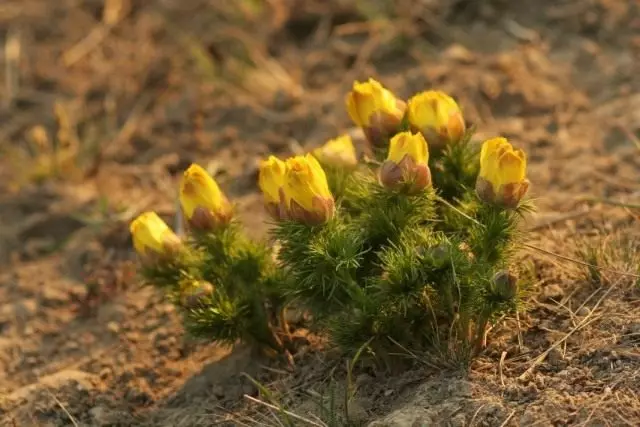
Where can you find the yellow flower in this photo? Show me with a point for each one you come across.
(306, 191)
(407, 164)
(205, 207)
(271, 182)
(152, 237)
(376, 110)
(337, 152)
(503, 169)
(437, 116)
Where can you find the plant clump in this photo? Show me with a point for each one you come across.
(410, 248)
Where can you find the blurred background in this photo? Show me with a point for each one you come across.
(105, 102)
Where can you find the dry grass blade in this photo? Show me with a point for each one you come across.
(114, 11)
(12, 53)
(577, 261)
(560, 218)
(501, 367)
(611, 202)
(506, 421)
(588, 319)
(291, 414)
(64, 409)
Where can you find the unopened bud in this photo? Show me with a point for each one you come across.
(407, 165)
(195, 295)
(440, 255)
(204, 205)
(376, 110)
(506, 284)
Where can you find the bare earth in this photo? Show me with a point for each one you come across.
(165, 83)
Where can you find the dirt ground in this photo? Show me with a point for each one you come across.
(125, 100)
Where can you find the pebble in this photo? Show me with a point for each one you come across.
(552, 291)
(105, 373)
(113, 327)
(100, 414)
(218, 391)
(583, 312)
(459, 53)
(52, 297)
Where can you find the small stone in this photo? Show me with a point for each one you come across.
(357, 412)
(459, 420)
(294, 316)
(100, 415)
(113, 327)
(22, 310)
(168, 309)
(459, 53)
(248, 389)
(105, 373)
(52, 297)
(388, 392)
(71, 345)
(583, 312)
(218, 391)
(552, 291)
(133, 336)
(363, 379)
(554, 356)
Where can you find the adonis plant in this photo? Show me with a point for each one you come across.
(411, 247)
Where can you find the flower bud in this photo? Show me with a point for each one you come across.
(307, 196)
(437, 116)
(205, 207)
(502, 179)
(195, 294)
(271, 182)
(376, 110)
(338, 152)
(440, 255)
(506, 284)
(407, 165)
(153, 240)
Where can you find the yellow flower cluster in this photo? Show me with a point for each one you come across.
(204, 207)
(434, 120)
(381, 114)
(297, 189)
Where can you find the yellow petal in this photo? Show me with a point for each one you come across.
(489, 155)
(367, 98)
(338, 151)
(512, 166)
(432, 110)
(407, 143)
(271, 178)
(150, 234)
(305, 180)
(198, 188)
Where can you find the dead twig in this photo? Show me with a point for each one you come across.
(64, 409)
(114, 12)
(504, 423)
